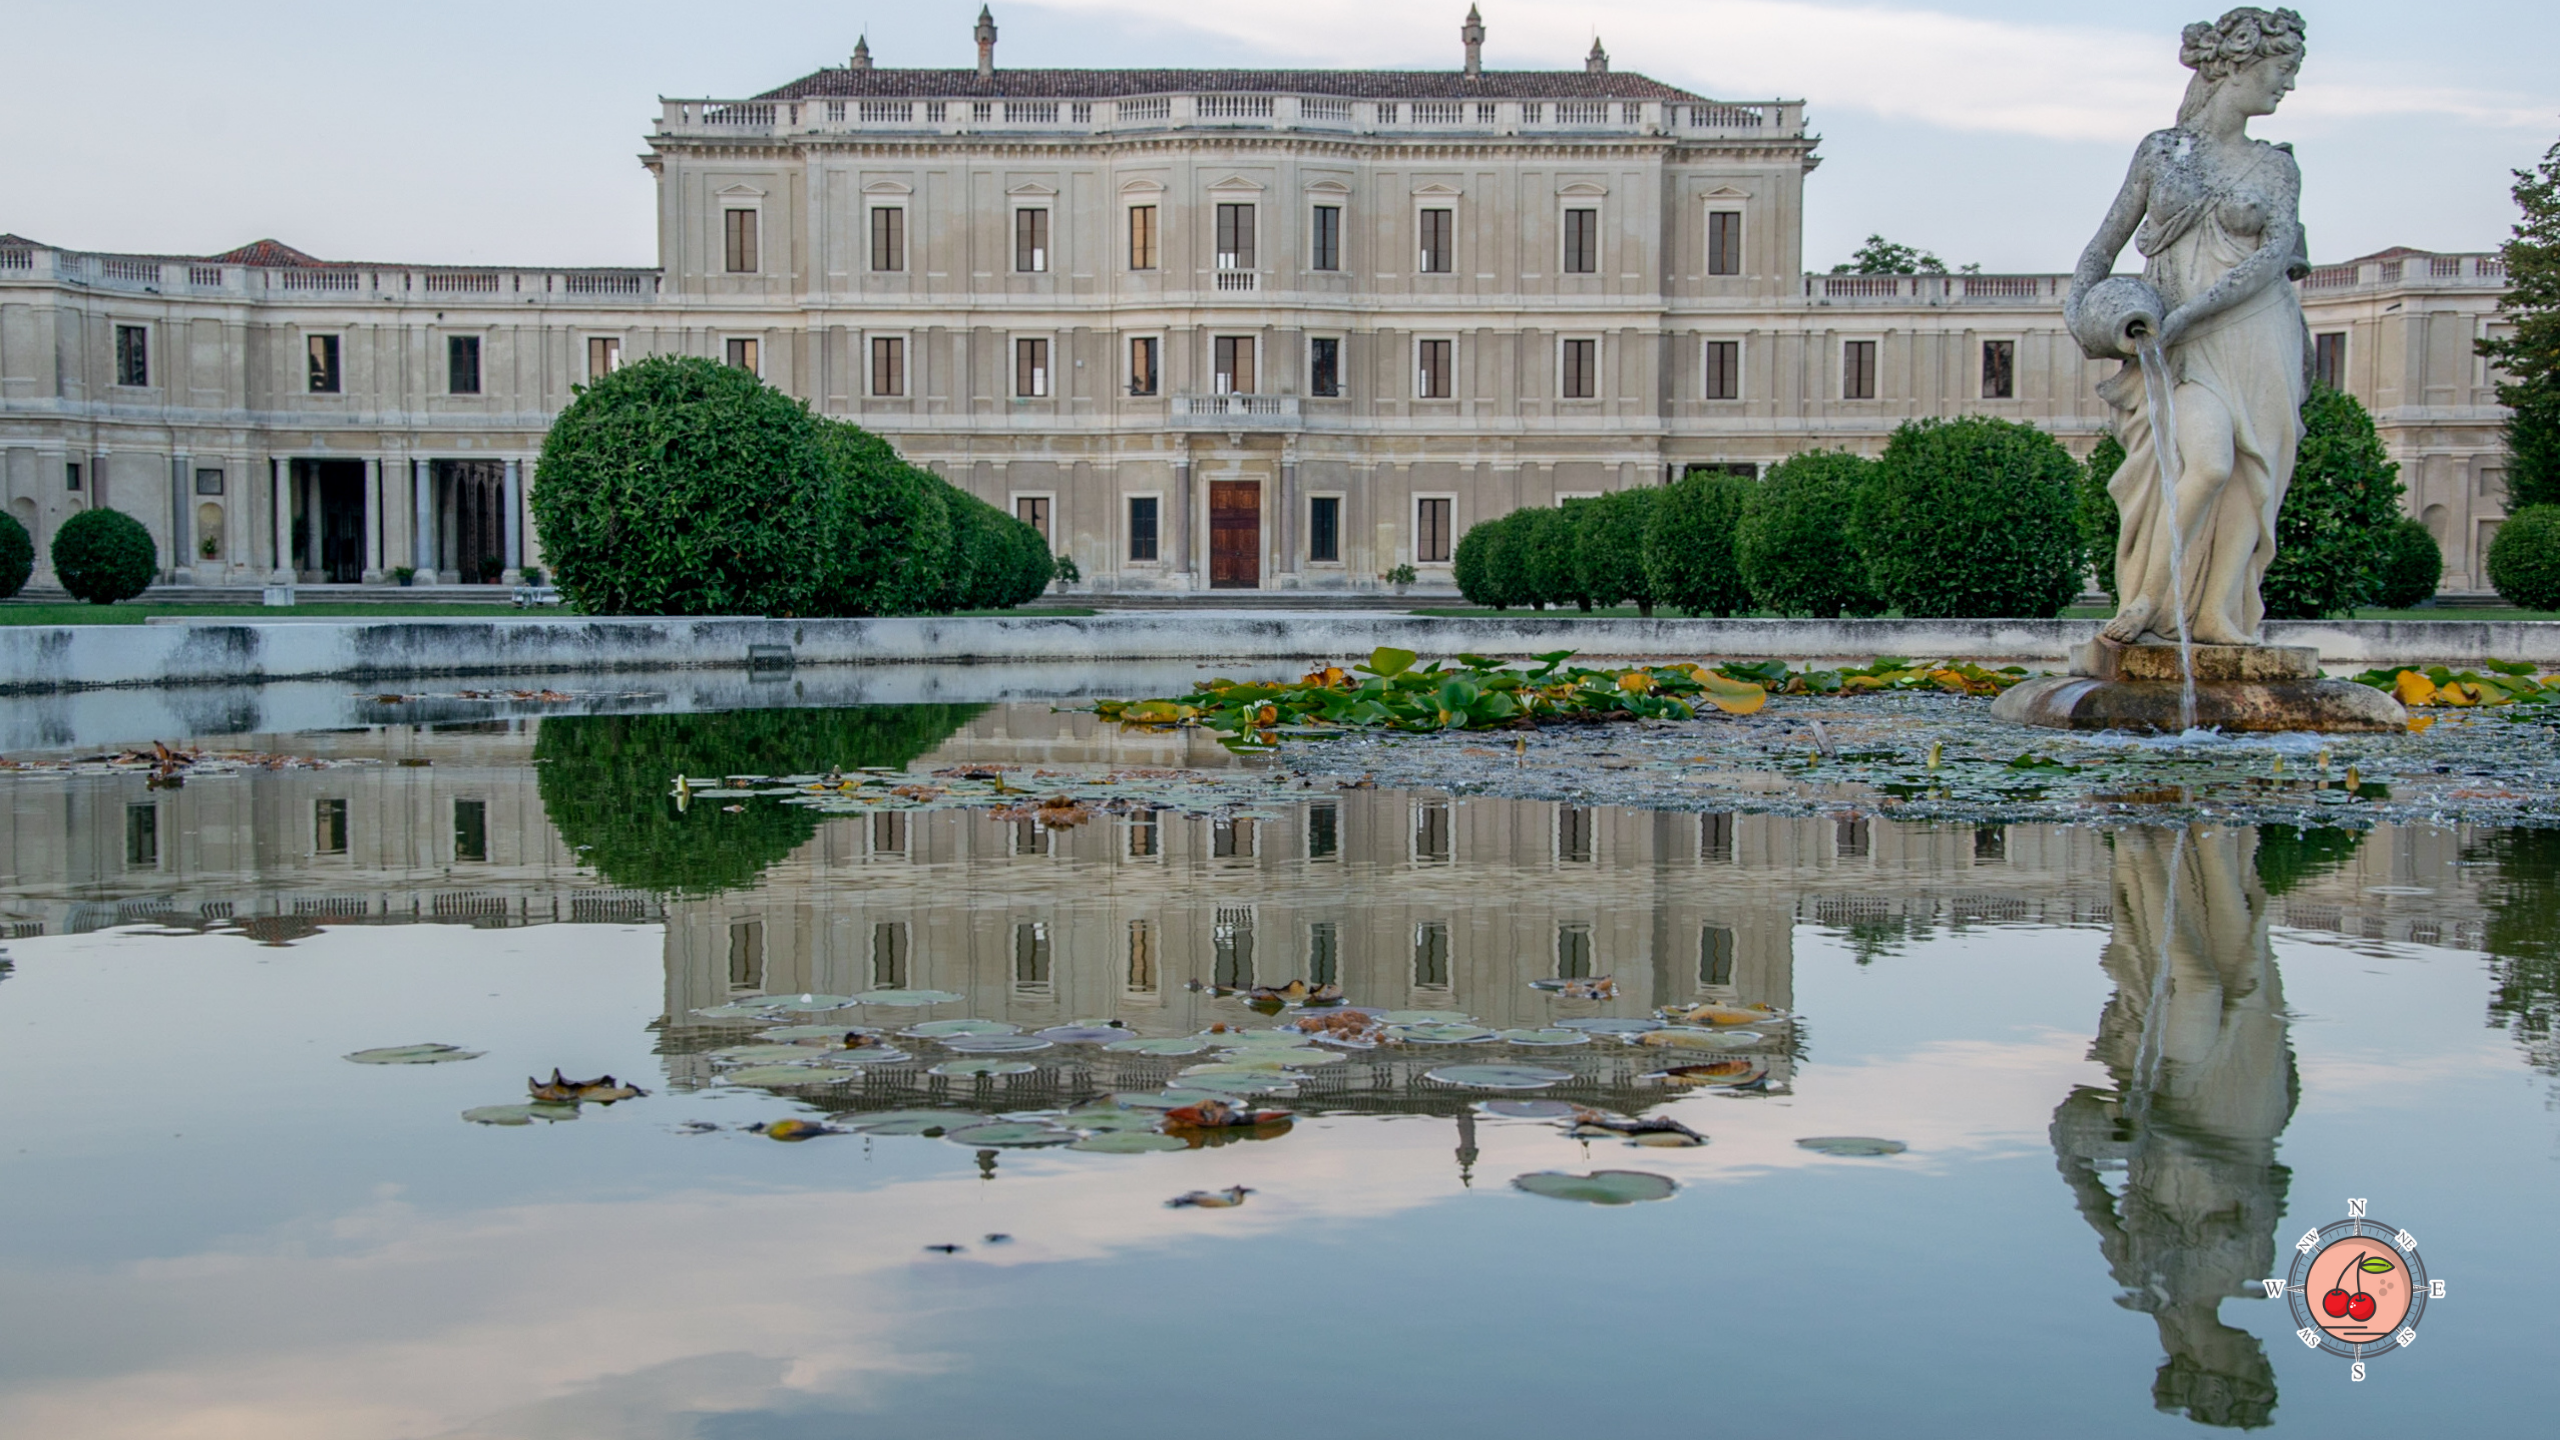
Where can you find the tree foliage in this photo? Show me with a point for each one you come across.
(886, 528)
(1971, 518)
(1546, 557)
(2524, 561)
(2337, 517)
(17, 555)
(1691, 551)
(1608, 547)
(2528, 356)
(2100, 521)
(1880, 256)
(2412, 566)
(103, 556)
(1793, 539)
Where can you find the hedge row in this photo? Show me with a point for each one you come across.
(681, 486)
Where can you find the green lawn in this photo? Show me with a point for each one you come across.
(135, 612)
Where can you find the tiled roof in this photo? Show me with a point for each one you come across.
(273, 254)
(1355, 84)
(16, 241)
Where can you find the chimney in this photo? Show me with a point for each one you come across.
(986, 44)
(1597, 62)
(1473, 34)
(862, 53)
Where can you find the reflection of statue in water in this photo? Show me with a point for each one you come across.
(2194, 1039)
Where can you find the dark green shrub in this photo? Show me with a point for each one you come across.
(2524, 561)
(2099, 519)
(2526, 348)
(1506, 560)
(1691, 546)
(1467, 563)
(1971, 518)
(1608, 548)
(680, 486)
(2337, 517)
(2288, 856)
(1546, 541)
(103, 556)
(17, 556)
(997, 562)
(2412, 566)
(1793, 538)
(887, 533)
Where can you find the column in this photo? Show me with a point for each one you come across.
(307, 493)
(1288, 510)
(422, 487)
(515, 523)
(280, 508)
(182, 555)
(373, 519)
(1181, 517)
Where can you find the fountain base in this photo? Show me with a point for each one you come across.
(2238, 688)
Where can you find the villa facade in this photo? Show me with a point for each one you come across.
(1268, 330)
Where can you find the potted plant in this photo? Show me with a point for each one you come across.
(1400, 577)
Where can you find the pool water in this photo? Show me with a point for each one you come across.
(2119, 1069)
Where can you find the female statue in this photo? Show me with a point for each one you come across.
(2216, 216)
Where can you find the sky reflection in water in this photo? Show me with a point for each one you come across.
(219, 1227)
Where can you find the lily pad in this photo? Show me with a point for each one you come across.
(752, 1008)
(1498, 1077)
(518, 1114)
(1172, 1097)
(1689, 1037)
(1425, 1017)
(805, 1004)
(912, 1122)
(1600, 1187)
(968, 1068)
(1528, 1109)
(994, 1044)
(1450, 1033)
(1550, 1035)
(945, 1029)
(906, 997)
(1859, 1145)
(1127, 1142)
(1082, 1034)
(1610, 1025)
(415, 1055)
(1010, 1134)
(767, 1054)
(1236, 1067)
(1290, 1039)
(867, 1055)
(1156, 1046)
(782, 1075)
(1261, 1083)
(787, 1033)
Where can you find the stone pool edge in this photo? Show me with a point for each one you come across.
(53, 659)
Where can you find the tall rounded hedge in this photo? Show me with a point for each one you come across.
(2524, 561)
(1608, 547)
(1971, 518)
(1470, 564)
(886, 528)
(1690, 549)
(17, 555)
(2100, 521)
(1547, 555)
(103, 556)
(2337, 517)
(1793, 539)
(1506, 560)
(2412, 566)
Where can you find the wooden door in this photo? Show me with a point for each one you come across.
(1235, 534)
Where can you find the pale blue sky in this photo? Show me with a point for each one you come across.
(469, 130)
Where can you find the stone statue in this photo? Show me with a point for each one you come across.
(2216, 217)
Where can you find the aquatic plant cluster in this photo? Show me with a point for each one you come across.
(2508, 682)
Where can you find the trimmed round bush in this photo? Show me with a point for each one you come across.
(996, 561)
(1506, 560)
(681, 486)
(103, 556)
(1690, 546)
(1546, 556)
(887, 533)
(2524, 561)
(1971, 519)
(1793, 538)
(17, 555)
(2337, 516)
(2100, 521)
(1608, 548)
(2412, 566)
(1470, 563)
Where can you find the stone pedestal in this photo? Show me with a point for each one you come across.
(2238, 688)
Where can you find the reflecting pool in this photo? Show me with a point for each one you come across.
(1952, 1129)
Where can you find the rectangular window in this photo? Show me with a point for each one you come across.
(1581, 369)
(1324, 530)
(71, 475)
(322, 353)
(1231, 947)
(1325, 244)
(1033, 510)
(1715, 836)
(888, 955)
(1431, 531)
(746, 955)
(1573, 834)
(1990, 843)
(208, 482)
(1724, 369)
(889, 833)
(470, 829)
(604, 356)
(1581, 242)
(1146, 835)
(2329, 360)
(1142, 957)
(1030, 241)
(142, 836)
(1431, 955)
(1432, 380)
(1431, 832)
(1858, 370)
(1231, 839)
(1030, 366)
(1724, 242)
(1999, 369)
(1142, 527)
(1324, 831)
(888, 237)
(133, 355)
(1142, 237)
(1715, 955)
(746, 354)
(1324, 953)
(329, 827)
(1232, 364)
(462, 364)
(1324, 366)
(1143, 353)
(1439, 241)
(738, 248)
(1235, 237)
(888, 365)
(1030, 838)
(1573, 952)
(1850, 835)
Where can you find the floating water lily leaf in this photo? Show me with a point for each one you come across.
(1082, 1034)
(1127, 1142)
(784, 1033)
(1153, 1046)
(1528, 1109)
(805, 1004)
(1552, 1035)
(983, 1067)
(777, 1075)
(752, 1008)
(867, 1055)
(1113, 1118)
(1610, 1025)
(1498, 1077)
(1852, 1145)
(912, 1122)
(767, 1054)
(1010, 1134)
(430, 1054)
(1686, 1037)
(1172, 1097)
(1245, 1039)
(1733, 697)
(1247, 1066)
(1425, 1017)
(1446, 1034)
(1723, 1017)
(1253, 1084)
(994, 1044)
(906, 997)
(1735, 1071)
(945, 1029)
(518, 1114)
(1600, 1187)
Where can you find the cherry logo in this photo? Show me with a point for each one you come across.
(2358, 1306)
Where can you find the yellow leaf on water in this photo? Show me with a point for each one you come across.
(2419, 723)
(1635, 682)
(1733, 697)
(2414, 688)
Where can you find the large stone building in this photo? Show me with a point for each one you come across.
(1233, 328)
